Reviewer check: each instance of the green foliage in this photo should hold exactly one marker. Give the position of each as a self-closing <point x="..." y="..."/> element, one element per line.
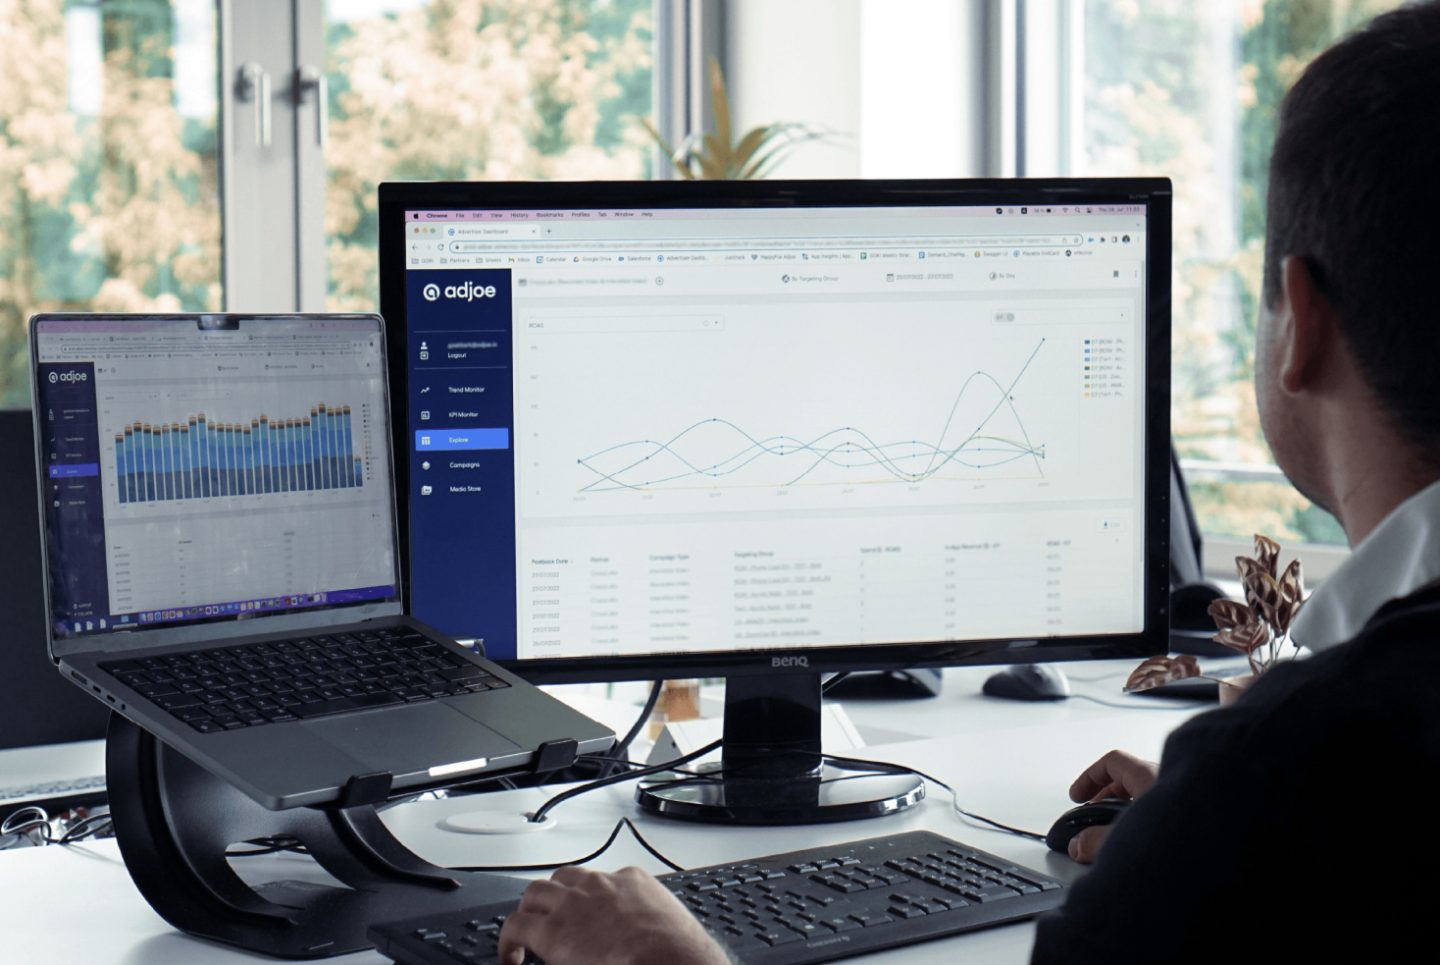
<point x="721" y="156"/>
<point x="1165" y="79"/>
<point x="115" y="211"/>
<point x="499" y="90"/>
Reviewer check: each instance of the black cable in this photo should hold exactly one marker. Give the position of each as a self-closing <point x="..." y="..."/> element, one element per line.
<point x="614" y="833"/>
<point x="539" y="815"/>
<point x="1184" y="704"/>
<point x="93" y="826"/>
<point x="834" y="679"/>
<point x="622" y="749"/>
<point x="270" y="845"/>
<point x="883" y="767"/>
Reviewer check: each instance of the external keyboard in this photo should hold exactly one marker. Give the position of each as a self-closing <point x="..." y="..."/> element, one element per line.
<point x="251" y="684"/>
<point x="815" y="905"/>
<point x="95" y="784"/>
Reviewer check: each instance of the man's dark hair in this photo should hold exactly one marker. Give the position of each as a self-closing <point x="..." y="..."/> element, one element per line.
<point x="1355" y="191"/>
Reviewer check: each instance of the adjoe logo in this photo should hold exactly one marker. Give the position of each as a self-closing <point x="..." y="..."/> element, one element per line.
<point x="68" y="377"/>
<point x="469" y="291"/>
<point x="465" y="292"/>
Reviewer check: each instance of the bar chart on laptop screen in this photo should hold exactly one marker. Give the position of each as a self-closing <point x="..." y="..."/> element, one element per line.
<point x="233" y="476"/>
<point x="204" y="458"/>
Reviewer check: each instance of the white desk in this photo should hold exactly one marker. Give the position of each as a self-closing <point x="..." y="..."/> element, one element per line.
<point x="1008" y="760"/>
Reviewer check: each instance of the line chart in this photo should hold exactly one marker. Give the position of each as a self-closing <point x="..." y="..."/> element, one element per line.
<point x="716" y="451"/>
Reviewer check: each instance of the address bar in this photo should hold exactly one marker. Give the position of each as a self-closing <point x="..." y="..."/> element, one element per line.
<point x="750" y="244"/>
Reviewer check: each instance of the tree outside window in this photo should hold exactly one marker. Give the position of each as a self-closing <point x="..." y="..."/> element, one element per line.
<point x="1191" y="91"/>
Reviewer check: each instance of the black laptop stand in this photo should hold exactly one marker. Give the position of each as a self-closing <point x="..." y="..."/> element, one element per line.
<point x="174" y="821"/>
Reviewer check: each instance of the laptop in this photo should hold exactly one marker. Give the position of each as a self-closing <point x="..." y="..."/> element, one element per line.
<point x="223" y="566"/>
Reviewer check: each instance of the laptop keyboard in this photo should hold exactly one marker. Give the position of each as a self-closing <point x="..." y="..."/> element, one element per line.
<point x="253" y="684"/>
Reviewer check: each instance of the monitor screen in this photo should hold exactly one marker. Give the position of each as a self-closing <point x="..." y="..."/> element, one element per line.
<point x="680" y="426"/>
<point x="211" y="468"/>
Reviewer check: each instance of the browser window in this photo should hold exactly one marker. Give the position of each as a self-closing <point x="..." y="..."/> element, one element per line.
<point x="686" y="430"/>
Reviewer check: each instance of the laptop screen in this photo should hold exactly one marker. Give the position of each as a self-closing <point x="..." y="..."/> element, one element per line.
<point x="212" y="468"/>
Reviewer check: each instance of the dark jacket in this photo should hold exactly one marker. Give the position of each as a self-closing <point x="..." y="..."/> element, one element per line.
<point x="1298" y="825"/>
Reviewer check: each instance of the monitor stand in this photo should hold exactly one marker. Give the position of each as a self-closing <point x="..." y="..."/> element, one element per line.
<point x="772" y="769"/>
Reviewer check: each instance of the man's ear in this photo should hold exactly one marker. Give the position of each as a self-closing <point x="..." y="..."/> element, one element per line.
<point x="1306" y="327"/>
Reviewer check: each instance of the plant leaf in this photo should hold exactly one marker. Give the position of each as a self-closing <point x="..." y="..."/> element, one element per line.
<point x="749" y="144"/>
<point x="1229" y="614"/>
<point x="1245" y="639"/>
<point x="675" y="156"/>
<point x="1291" y="596"/>
<point x="720" y="101"/>
<point x="711" y="159"/>
<point x="1267" y="553"/>
<point x="1262" y="591"/>
<point x="1161" y="670"/>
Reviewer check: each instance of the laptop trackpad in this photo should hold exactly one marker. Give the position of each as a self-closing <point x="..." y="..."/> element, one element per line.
<point x="411" y="740"/>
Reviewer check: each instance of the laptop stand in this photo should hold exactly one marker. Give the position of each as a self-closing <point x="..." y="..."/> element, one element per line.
<point x="174" y="821"/>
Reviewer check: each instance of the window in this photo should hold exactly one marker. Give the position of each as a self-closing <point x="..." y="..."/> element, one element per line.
<point x="469" y="92"/>
<point x="1191" y="91"/>
<point x="111" y="194"/>
<point x="109" y="171"/>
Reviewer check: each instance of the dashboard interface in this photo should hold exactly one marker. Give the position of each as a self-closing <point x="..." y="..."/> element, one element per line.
<point x="638" y="432"/>
<point x="196" y="474"/>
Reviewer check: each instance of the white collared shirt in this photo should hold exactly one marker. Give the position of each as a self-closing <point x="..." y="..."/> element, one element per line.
<point x="1399" y="556"/>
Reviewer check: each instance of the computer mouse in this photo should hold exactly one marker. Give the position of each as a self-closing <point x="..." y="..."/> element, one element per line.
<point x="1191" y="627"/>
<point x="1088" y="815"/>
<point x="1028" y="681"/>
<point x="1190" y="606"/>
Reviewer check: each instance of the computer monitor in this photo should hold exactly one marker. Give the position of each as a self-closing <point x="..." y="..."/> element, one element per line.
<point x="37" y="705"/>
<point x="772" y="430"/>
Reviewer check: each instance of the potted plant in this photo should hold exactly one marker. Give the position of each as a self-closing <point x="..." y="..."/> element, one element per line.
<point x="721" y="155"/>
<point x="1259" y="628"/>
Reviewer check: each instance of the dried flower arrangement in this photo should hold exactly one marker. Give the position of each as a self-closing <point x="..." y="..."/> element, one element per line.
<point x="1259" y="628"/>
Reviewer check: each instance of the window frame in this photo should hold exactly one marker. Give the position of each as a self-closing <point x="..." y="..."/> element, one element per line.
<point x="1048" y="66"/>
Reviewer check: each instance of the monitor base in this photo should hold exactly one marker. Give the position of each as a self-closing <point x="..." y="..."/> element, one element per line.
<point x="831" y="795"/>
<point x="772" y="768"/>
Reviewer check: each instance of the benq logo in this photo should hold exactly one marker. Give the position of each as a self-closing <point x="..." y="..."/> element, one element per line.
<point x="431" y="292"/>
<point x="68" y="377"/>
<point x="779" y="663"/>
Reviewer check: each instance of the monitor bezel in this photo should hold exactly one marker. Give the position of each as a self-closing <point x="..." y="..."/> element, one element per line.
<point x="396" y="198"/>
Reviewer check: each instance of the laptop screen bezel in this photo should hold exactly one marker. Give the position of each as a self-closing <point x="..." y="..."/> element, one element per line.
<point x="223" y="628"/>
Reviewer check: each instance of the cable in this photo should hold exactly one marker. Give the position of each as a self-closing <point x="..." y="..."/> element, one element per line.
<point x="270" y="845"/>
<point x="1187" y="705"/>
<point x="835" y="679"/>
<point x="614" y="833"/>
<point x="544" y="809"/>
<point x="32" y="818"/>
<point x="882" y="767"/>
<point x="622" y="749"/>
<point x="93" y="826"/>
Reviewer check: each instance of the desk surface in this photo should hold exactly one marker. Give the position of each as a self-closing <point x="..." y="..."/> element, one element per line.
<point x="1007" y="760"/>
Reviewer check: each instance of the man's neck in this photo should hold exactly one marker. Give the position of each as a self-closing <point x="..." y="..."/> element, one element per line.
<point x="1366" y="493"/>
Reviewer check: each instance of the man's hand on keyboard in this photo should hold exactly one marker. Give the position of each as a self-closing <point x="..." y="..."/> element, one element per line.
<point x="1117" y="774"/>
<point x="599" y="918"/>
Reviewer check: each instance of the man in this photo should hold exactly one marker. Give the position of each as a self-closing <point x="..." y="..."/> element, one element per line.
<point x="1294" y="825"/>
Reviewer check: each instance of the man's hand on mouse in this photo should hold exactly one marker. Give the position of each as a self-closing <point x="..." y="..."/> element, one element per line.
<point x="1118" y="775"/>
<point x="593" y="917"/>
